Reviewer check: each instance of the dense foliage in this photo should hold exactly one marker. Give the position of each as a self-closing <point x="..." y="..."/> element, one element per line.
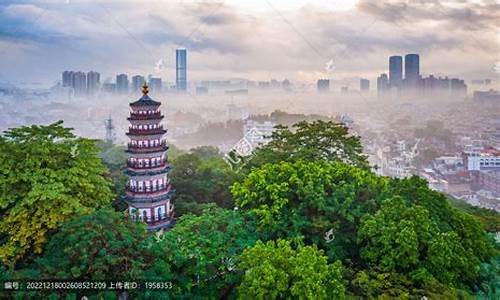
<point x="201" y="177"/>
<point x="103" y="245"/>
<point x="307" y="219"/>
<point x="311" y="141"/>
<point x="201" y="252"/>
<point x="375" y="225"/>
<point x="47" y="175"/>
<point x="277" y="271"/>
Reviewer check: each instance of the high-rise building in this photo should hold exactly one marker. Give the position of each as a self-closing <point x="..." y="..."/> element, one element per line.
<point x="181" y="69"/>
<point x="122" y="83"/>
<point x="323" y="85"/>
<point x="395" y="71"/>
<point x="67" y="78"/>
<point x="382" y="83"/>
<point x="109" y="87"/>
<point x="155" y="84"/>
<point x="458" y="88"/>
<point x="93" y="82"/>
<point x="148" y="190"/>
<point x="137" y="82"/>
<point x="412" y="70"/>
<point x="79" y="81"/>
<point x="364" y="85"/>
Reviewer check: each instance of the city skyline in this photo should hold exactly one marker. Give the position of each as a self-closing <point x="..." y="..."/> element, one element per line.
<point x="352" y="36"/>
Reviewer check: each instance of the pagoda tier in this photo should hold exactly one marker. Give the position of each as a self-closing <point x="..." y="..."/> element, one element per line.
<point x="148" y="191"/>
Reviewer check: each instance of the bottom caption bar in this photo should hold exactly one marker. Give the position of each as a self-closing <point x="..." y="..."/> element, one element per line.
<point x="34" y="285"/>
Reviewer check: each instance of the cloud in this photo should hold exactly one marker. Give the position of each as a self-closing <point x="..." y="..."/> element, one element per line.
<point x="469" y="15"/>
<point x="224" y="40"/>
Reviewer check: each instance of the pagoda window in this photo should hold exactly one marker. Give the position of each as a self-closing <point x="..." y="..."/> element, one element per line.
<point x="144" y="213"/>
<point x="160" y="212"/>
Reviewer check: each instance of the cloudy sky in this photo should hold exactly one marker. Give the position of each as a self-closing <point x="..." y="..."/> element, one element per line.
<point x="258" y="39"/>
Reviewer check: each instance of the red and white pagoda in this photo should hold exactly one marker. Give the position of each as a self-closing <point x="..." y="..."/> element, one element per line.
<point x="148" y="190"/>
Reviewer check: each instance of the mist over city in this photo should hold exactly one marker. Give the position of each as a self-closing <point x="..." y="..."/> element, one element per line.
<point x="417" y="81"/>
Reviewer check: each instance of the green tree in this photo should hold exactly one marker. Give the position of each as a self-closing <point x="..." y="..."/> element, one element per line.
<point x="201" y="252"/>
<point x="103" y="245"/>
<point x="277" y="271"/>
<point x="489" y="280"/>
<point x="206" y="152"/>
<point x="323" y="202"/>
<point x="396" y="236"/>
<point x="311" y="141"/>
<point x="403" y="238"/>
<point x="47" y="175"/>
<point x="199" y="181"/>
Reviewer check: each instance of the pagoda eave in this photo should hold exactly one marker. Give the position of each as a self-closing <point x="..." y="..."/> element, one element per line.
<point x="147" y="199"/>
<point x="138" y="172"/>
<point x="157" y="134"/>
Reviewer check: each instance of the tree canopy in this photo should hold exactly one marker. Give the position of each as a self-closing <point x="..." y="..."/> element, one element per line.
<point x="399" y="229"/>
<point x="47" y="175"/>
<point x="103" y="245"/>
<point x="304" y="220"/>
<point x="275" y="270"/>
<point x="321" y="201"/>
<point x="311" y="141"/>
<point x="201" y="177"/>
<point x="202" y="251"/>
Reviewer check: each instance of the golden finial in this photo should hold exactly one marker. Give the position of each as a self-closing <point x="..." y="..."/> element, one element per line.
<point x="145" y="89"/>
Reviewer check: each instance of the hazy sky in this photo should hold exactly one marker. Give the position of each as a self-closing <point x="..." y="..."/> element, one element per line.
<point x="255" y="39"/>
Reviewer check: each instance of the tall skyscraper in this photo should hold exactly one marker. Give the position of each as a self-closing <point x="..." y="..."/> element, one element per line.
<point x="382" y="83"/>
<point x="155" y="84"/>
<point x="364" y="85"/>
<point x="93" y="82"/>
<point x="67" y="78"/>
<point x="137" y="82"/>
<point x="395" y="71"/>
<point x="323" y="85"/>
<point x="79" y="80"/>
<point x="412" y="69"/>
<point x="181" y="69"/>
<point x="122" y="83"/>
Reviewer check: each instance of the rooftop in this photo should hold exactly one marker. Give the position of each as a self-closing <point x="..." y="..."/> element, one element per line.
<point x="145" y="100"/>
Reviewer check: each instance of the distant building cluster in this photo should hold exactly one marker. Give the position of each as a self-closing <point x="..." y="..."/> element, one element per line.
<point x="81" y="83"/>
<point x="258" y="133"/>
<point x="487" y="96"/>
<point x="413" y="84"/>
<point x="89" y="84"/>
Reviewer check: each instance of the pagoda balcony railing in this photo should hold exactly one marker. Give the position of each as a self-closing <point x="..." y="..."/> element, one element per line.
<point x="142" y="148"/>
<point x="145" y="166"/>
<point x="148" y="189"/>
<point x="156" y="115"/>
<point x="158" y="130"/>
<point x="150" y="219"/>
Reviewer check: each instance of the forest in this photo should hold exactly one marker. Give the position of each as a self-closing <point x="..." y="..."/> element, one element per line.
<point x="304" y="217"/>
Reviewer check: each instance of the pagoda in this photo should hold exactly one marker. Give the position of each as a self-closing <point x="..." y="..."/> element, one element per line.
<point x="148" y="191"/>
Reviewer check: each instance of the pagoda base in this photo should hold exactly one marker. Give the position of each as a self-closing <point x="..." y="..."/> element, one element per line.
<point x="164" y="225"/>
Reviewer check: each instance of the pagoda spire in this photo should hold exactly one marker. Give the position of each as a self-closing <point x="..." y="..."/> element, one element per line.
<point x="145" y="89"/>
